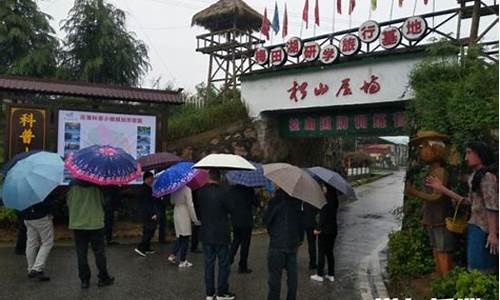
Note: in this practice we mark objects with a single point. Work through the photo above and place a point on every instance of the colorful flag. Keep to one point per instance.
(276, 19)
(305, 13)
(284, 32)
(339, 6)
(352, 4)
(264, 29)
(316, 13)
(374, 4)
(400, 3)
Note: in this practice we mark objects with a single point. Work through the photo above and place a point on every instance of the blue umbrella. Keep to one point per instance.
(249, 178)
(8, 165)
(103, 165)
(32, 179)
(174, 178)
(333, 179)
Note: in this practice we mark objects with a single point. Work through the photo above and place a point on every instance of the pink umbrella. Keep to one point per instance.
(199, 180)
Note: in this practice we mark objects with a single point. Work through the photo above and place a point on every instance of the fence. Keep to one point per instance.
(352, 172)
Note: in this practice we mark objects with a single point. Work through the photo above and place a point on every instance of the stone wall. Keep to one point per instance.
(255, 141)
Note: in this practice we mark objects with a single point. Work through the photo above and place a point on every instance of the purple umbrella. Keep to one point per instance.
(158, 161)
(103, 165)
(248, 178)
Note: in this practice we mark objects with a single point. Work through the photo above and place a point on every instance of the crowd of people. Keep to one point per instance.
(219, 216)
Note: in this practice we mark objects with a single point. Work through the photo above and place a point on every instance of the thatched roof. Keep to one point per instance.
(226, 14)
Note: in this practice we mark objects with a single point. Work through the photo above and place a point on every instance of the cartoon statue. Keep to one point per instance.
(436, 207)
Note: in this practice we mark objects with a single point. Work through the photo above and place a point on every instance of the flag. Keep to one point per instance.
(374, 4)
(276, 19)
(305, 13)
(284, 32)
(316, 13)
(264, 29)
(400, 3)
(352, 4)
(339, 6)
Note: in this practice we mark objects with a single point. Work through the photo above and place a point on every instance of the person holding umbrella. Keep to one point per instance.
(40, 237)
(243, 200)
(309, 214)
(326, 231)
(28, 183)
(284, 224)
(149, 210)
(184, 214)
(92, 167)
(215, 234)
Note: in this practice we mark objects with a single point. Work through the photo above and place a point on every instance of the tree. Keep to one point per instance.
(27, 42)
(98, 48)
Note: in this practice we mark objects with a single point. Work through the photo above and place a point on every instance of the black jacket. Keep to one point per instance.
(148, 205)
(38, 210)
(283, 221)
(214, 208)
(309, 214)
(328, 215)
(242, 200)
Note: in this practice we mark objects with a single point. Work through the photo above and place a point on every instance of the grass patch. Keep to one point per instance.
(189, 119)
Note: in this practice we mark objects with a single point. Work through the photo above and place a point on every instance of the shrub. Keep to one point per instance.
(409, 254)
(191, 120)
(7, 217)
(461, 283)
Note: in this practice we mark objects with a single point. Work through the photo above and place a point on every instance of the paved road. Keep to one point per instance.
(364, 225)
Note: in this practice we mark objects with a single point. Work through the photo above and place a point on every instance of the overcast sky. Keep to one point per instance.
(164, 25)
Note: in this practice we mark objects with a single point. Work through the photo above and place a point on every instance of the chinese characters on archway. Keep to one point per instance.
(343, 123)
(299, 90)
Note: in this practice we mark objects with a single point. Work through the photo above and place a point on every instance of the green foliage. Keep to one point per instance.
(7, 217)
(463, 284)
(27, 42)
(409, 253)
(98, 47)
(191, 119)
(455, 97)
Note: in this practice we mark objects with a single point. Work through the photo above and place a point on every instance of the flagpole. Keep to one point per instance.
(415, 7)
(333, 18)
(392, 9)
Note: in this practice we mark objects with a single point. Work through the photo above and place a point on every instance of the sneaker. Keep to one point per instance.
(38, 275)
(330, 278)
(106, 281)
(150, 251)
(185, 264)
(317, 278)
(210, 298)
(84, 284)
(171, 258)
(226, 296)
(140, 252)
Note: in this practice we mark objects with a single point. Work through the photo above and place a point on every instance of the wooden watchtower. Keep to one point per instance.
(229, 43)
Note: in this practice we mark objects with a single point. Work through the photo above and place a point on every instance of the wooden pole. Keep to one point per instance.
(474, 28)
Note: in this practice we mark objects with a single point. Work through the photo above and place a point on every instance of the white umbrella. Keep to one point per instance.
(224, 161)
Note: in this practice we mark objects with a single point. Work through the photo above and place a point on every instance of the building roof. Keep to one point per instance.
(88, 90)
(227, 14)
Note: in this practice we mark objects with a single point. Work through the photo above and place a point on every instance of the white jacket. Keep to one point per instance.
(184, 212)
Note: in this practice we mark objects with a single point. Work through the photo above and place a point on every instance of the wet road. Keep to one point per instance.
(364, 225)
